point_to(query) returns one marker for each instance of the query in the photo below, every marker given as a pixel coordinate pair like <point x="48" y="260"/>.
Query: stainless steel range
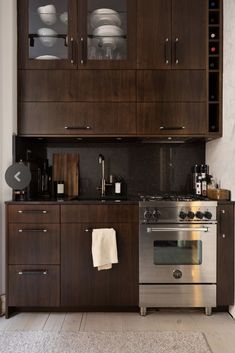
<point x="177" y="247"/>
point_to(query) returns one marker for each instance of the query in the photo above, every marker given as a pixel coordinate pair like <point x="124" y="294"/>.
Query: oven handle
<point x="175" y="229"/>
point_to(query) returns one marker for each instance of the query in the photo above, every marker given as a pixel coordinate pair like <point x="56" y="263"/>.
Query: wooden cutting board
<point x="66" y="168"/>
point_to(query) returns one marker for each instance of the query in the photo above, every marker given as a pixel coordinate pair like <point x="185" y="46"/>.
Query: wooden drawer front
<point x="34" y="213"/>
<point x="53" y="118"/>
<point x="171" y="86"/>
<point x="36" y="244"/>
<point x="171" y="118"/>
<point x="80" y="85"/>
<point x="34" y="285"/>
<point x="99" y="213"/>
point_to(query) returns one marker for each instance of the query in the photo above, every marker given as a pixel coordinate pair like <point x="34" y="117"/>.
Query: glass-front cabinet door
<point x="47" y="34"/>
<point x="108" y="34"/>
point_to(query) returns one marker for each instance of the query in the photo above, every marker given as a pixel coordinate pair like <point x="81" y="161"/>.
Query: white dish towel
<point x="104" y="248"/>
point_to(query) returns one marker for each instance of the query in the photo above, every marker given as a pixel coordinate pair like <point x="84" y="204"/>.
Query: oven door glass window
<point x="177" y="252"/>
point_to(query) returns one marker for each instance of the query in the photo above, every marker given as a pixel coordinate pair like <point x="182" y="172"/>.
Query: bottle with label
<point x="199" y="185"/>
<point x="60" y="189"/>
<point x="204" y="170"/>
<point x="118" y="187"/>
<point x="195" y="171"/>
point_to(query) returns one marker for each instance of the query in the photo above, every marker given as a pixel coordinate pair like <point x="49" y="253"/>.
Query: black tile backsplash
<point x="147" y="168"/>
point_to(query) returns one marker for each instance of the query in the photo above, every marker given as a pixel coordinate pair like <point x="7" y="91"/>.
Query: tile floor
<point x="219" y="328"/>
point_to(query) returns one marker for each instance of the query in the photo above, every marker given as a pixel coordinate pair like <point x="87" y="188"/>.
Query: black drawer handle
<point x="77" y="128"/>
<point x="176" y="51"/>
<point x="172" y="127"/>
<point x="88" y="230"/>
<point x="83" y="44"/>
<point x="72" y="50"/>
<point x="167" y="56"/>
<point x="32" y="230"/>
<point x="33" y="211"/>
<point x="33" y="272"/>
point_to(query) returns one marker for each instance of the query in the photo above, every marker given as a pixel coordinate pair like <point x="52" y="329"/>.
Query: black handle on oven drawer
<point x="33" y="272"/>
<point x="172" y="127"/>
<point x="77" y="128"/>
<point x="33" y="211"/>
<point x="32" y="230"/>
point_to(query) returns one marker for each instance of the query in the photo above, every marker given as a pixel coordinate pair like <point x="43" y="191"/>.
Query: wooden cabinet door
<point x="189" y="34"/>
<point x="154" y="34"/>
<point x="225" y="255"/>
<point x="82" y="285"/>
<point x="71" y="118"/>
<point x="107" y="34"/>
<point x="171" y="118"/>
<point x="47" y="34"/>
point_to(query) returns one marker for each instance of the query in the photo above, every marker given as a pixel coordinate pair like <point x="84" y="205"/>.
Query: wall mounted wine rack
<point x="215" y="66"/>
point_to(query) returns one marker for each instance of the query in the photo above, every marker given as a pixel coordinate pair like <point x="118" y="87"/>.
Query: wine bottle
<point x="213" y="4"/>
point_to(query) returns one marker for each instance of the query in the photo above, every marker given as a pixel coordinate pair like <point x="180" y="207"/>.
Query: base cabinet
<point x="82" y="285"/>
<point x="225" y="254"/>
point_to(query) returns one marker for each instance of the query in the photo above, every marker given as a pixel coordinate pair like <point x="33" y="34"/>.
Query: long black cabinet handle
<point x="167" y="61"/>
<point x="176" y="51"/>
<point x="172" y="127"/>
<point x="77" y="128"/>
<point x="82" y="51"/>
<point x="33" y="211"/>
<point x="72" y="50"/>
<point x="33" y="272"/>
<point x="32" y="230"/>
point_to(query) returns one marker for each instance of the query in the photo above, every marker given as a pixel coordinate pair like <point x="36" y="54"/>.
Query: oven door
<point x="177" y="253"/>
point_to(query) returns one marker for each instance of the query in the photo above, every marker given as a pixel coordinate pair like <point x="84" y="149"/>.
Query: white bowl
<point x="47" y="14"/>
<point x="108" y="31"/>
<point x="64" y="18"/>
<point x="47" y="57"/>
<point x="102" y="17"/>
<point x="47" y="36"/>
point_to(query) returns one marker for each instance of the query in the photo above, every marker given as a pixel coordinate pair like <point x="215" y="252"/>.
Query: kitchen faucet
<point x="104" y="184"/>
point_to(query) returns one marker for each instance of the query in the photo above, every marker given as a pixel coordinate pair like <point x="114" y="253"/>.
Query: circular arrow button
<point x="18" y="176"/>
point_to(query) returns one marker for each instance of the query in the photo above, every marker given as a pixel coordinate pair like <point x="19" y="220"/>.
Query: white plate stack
<point x="107" y="30"/>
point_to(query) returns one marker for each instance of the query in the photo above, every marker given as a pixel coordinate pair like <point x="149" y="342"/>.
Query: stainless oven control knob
<point x="182" y="215"/>
<point x="199" y="215"/>
<point x="156" y="214"/>
<point x="208" y="215"/>
<point x="177" y="274"/>
<point x="147" y="215"/>
<point x="191" y="215"/>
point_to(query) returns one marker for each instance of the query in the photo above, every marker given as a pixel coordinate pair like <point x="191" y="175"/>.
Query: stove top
<point x="173" y="197"/>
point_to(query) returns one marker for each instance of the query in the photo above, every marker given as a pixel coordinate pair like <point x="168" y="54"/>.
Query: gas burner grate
<point x="173" y="197"/>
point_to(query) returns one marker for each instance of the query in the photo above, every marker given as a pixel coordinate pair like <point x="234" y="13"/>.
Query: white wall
<point x="220" y="154"/>
<point x="8" y="108"/>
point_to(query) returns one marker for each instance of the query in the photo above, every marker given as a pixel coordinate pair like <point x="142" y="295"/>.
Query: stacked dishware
<point x="48" y="36"/>
<point x="107" y="33"/>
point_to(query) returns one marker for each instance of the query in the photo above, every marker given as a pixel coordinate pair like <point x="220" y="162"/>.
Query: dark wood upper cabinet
<point x="172" y="34"/>
<point x="71" y="34"/>
<point x="189" y="34"/>
<point x="154" y="34"/>
<point x="47" y="34"/>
